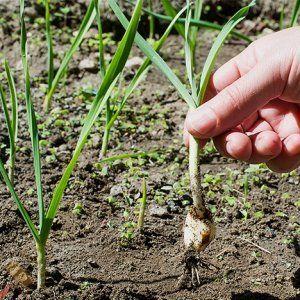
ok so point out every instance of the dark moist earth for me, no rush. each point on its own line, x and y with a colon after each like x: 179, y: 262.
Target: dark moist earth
x: 95, y: 251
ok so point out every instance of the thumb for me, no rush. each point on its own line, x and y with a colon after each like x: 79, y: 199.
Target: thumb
x: 264, y: 82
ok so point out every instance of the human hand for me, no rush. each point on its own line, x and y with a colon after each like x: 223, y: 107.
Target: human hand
x: 252, y: 110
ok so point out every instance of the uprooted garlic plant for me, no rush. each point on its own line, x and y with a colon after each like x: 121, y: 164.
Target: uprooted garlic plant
x: 199, y: 229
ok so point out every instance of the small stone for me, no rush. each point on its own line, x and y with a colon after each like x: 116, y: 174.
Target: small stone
x: 88, y: 64
x: 249, y: 25
x: 31, y: 12
x: 134, y: 62
x: 96, y: 140
x: 172, y: 206
x: 63, y: 148
x: 158, y: 211
x: 266, y: 31
x: 166, y: 188
x: 116, y: 190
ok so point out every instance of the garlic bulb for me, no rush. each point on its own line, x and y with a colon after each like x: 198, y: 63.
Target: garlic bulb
x: 199, y: 229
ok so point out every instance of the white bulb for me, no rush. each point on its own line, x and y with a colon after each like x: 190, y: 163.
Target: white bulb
x: 199, y: 230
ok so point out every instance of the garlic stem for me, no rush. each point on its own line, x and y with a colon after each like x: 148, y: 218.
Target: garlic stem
x: 195, y: 177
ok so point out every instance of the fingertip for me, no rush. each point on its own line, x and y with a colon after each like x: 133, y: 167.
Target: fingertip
x: 267, y: 144
x: 201, y: 122
x: 238, y: 146
x: 235, y: 145
x: 289, y: 159
x: 292, y: 145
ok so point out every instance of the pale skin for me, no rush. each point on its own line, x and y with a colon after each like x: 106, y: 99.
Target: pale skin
x: 252, y: 110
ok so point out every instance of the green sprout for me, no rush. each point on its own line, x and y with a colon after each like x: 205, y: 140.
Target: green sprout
x: 143, y: 204
x: 151, y: 21
x: 50, y: 57
x: 11, y: 119
x: 295, y: 14
x: 87, y: 21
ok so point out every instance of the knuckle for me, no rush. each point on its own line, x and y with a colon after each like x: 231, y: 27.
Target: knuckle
x: 233, y: 97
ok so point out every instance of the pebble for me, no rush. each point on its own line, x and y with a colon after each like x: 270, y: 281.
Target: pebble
x: 158, y: 211
x: 31, y: 12
x: 96, y: 140
x: 116, y: 190
x: 88, y: 64
x: 134, y: 62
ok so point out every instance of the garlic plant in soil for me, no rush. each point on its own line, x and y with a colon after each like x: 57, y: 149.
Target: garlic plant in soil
x: 199, y: 229
x: 41, y: 232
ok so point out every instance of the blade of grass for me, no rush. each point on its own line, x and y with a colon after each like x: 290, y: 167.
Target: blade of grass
x: 127, y: 155
x: 50, y: 56
x: 102, y: 72
x: 31, y: 118
x: 14, y: 119
x: 143, y: 204
x: 115, y: 68
x: 282, y: 15
x: 171, y: 12
x: 84, y: 27
x: 13, y: 98
x: 198, y: 23
x: 195, y: 30
x: 19, y: 204
x: 188, y: 54
x: 151, y: 21
x: 154, y: 56
x: 197, y: 16
x: 212, y: 56
x: 295, y: 13
x: 10, y: 131
x: 102, y: 65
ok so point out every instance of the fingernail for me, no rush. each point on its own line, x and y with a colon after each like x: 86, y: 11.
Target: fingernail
x: 202, y: 121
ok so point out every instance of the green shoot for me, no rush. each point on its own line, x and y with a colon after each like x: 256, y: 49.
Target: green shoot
x: 49, y: 44
x: 116, y: 66
x: 143, y: 204
x: 100, y: 33
x: 195, y: 30
x: 31, y: 118
x: 84, y: 27
x: 102, y: 72
x: 282, y: 15
x: 151, y: 21
x: 295, y: 14
x: 11, y: 119
x: 171, y: 12
x: 127, y: 155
